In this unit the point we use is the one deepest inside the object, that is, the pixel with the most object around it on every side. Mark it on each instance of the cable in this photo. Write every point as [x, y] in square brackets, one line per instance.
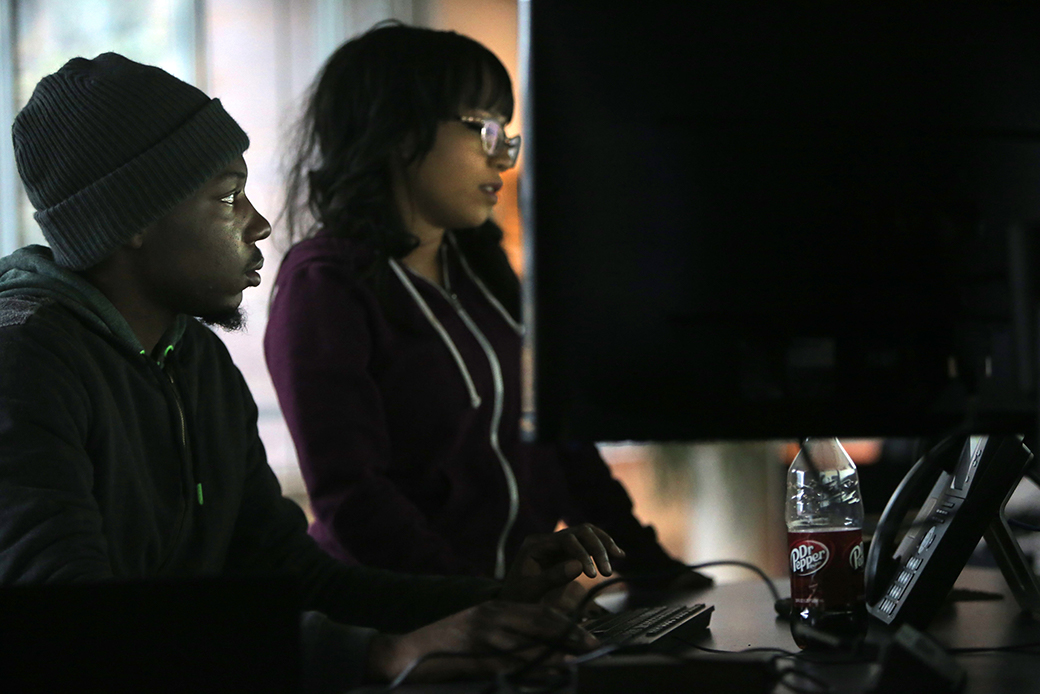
[1023, 648]
[599, 587]
[779, 654]
[1021, 525]
[577, 613]
[818, 686]
[551, 649]
[822, 687]
[410, 667]
[597, 653]
[403, 675]
[491, 653]
[734, 562]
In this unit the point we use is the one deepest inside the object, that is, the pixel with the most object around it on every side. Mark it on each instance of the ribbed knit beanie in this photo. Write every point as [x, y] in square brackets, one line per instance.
[107, 146]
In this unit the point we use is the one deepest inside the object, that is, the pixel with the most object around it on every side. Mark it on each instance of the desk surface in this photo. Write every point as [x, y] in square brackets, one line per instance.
[744, 618]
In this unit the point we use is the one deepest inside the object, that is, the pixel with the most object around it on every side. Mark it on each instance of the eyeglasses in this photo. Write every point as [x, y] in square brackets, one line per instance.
[493, 136]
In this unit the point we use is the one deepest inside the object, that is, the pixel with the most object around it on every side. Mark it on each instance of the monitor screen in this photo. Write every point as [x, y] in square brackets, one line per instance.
[748, 221]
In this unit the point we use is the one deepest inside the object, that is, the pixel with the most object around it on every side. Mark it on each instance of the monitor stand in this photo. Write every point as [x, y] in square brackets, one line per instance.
[1013, 563]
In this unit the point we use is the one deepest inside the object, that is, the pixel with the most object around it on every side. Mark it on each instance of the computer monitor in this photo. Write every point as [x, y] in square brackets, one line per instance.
[772, 220]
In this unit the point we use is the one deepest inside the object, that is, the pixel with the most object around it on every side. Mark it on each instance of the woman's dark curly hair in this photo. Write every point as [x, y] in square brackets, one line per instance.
[387, 89]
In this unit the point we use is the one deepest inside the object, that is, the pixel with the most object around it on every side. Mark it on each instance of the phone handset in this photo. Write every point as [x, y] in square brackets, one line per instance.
[972, 478]
[882, 562]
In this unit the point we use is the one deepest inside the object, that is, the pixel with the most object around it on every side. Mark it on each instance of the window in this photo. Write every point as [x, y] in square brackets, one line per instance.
[39, 36]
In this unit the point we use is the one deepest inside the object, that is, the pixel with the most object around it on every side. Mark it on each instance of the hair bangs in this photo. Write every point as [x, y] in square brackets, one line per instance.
[478, 80]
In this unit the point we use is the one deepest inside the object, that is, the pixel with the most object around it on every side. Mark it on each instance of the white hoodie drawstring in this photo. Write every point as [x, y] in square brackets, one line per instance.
[474, 397]
[496, 372]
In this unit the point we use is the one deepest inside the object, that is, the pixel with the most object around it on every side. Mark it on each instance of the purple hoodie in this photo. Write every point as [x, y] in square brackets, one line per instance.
[407, 429]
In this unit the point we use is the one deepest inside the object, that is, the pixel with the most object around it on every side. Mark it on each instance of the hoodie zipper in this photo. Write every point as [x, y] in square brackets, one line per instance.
[184, 436]
[191, 468]
[474, 397]
[180, 412]
[187, 464]
[499, 388]
[182, 430]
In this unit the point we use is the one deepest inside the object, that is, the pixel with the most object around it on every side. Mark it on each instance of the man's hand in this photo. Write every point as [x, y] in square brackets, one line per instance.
[546, 564]
[485, 639]
[503, 634]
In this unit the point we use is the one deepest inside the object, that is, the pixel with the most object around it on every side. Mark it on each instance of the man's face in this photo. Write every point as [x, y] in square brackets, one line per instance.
[200, 257]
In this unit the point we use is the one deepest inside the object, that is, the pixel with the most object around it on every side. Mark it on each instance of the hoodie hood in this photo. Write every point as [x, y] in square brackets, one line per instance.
[32, 272]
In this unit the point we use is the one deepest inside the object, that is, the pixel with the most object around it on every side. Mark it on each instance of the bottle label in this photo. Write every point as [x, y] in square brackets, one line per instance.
[826, 568]
[808, 557]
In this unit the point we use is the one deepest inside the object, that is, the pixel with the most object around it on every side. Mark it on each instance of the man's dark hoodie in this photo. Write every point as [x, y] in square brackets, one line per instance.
[115, 463]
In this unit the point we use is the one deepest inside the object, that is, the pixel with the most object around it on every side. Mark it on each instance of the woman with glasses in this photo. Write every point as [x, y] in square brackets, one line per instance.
[394, 332]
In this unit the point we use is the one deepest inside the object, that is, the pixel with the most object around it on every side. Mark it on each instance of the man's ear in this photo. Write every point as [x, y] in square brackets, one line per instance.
[137, 240]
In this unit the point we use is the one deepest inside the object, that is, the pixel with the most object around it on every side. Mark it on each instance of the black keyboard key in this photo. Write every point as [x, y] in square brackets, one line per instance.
[644, 625]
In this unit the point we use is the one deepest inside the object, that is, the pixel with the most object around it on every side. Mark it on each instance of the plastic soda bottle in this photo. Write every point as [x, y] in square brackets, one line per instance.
[824, 514]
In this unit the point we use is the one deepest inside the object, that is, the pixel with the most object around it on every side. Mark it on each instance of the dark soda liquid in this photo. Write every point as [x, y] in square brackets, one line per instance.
[827, 590]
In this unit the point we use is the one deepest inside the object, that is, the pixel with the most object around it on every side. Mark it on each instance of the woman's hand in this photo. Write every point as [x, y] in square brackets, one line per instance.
[546, 564]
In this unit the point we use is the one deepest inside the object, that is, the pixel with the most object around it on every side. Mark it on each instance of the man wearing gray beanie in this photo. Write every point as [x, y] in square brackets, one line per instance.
[128, 439]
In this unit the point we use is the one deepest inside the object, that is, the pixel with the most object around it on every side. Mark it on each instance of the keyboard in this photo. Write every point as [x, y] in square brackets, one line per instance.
[644, 625]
